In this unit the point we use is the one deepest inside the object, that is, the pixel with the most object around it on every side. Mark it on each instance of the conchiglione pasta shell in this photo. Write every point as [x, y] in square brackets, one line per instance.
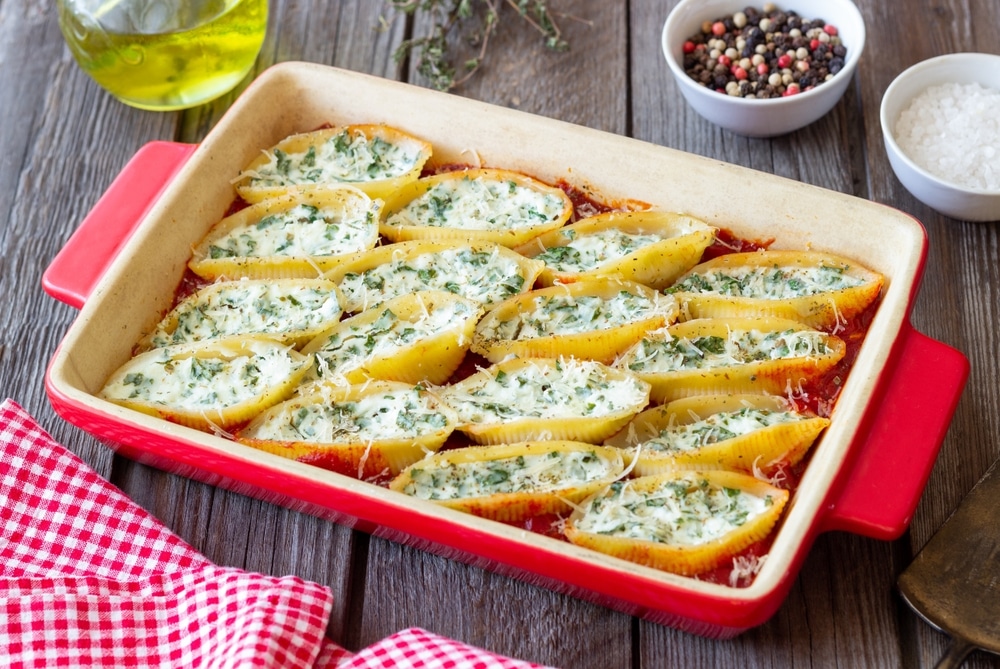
[490, 414]
[517, 325]
[347, 451]
[399, 225]
[431, 357]
[292, 311]
[207, 385]
[826, 310]
[680, 557]
[492, 474]
[681, 242]
[415, 153]
[766, 376]
[212, 259]
[519, 275]
[764, 449]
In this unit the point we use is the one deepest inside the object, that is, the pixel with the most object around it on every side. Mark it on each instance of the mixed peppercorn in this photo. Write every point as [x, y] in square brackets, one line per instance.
[764, 53]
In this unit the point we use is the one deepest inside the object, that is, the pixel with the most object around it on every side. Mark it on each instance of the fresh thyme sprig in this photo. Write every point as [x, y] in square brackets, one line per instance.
[434, 63]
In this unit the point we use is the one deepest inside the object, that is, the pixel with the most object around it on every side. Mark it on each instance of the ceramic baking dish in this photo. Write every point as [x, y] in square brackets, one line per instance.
[123, 264]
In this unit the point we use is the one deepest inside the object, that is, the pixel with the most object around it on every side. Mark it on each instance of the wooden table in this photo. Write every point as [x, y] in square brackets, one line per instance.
[62, 140]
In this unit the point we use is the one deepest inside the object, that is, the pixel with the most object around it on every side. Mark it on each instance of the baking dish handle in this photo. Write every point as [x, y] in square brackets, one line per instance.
[911, 417]
[76, 269]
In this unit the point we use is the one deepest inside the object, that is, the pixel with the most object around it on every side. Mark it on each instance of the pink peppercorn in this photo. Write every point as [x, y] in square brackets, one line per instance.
[814, 44]
[718, 28]
[739, 73]
[689, 47]
[793, 89]
[762, 69]
[725, 60]
[830, 30]
[784, 60]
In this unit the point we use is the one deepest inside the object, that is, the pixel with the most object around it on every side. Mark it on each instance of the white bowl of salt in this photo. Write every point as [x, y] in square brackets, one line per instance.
[941, 125]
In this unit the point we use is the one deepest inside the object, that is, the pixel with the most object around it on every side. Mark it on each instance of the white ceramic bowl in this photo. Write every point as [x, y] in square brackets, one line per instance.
[762, 117]
[950, 199]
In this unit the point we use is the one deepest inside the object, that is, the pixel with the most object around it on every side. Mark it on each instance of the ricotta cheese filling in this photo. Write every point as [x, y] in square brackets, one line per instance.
[543, 472]
[258, 307]
[564, 314]
[590, 251]
[486, 277]
[572, 388]
[684, 511]
[344, 157]
[716, 428]
[376, 417]
[301, 231]
[770, 283]
[194, 383]
[350, 349]
[672, 353]
[480, 204]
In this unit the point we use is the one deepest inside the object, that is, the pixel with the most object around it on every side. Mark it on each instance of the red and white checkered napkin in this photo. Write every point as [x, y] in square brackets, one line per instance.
[89, 579]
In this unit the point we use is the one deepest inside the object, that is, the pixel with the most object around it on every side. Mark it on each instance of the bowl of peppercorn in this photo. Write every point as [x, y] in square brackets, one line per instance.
[767, 70]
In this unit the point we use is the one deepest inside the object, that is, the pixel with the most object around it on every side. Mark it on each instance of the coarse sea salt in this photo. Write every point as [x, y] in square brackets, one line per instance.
[953, 132]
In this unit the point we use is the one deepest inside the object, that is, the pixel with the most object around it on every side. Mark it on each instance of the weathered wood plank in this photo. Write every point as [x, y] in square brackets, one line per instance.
[65, 140]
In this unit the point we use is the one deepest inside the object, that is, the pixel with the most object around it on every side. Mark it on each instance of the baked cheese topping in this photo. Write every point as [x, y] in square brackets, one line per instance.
[685, 511]
[350, 349]
[590, 251]
[717, 427]
[302, 231]
[570, 389]
[397, 414]
[480, 204]
[564, 314]
[249, 307]
[770, 283]
[343, 158]
[203, 382]
[487, 277]
[543, 472]
[672, 353]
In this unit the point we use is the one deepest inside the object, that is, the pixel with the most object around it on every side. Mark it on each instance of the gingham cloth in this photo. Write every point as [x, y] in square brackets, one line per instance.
[89, 579]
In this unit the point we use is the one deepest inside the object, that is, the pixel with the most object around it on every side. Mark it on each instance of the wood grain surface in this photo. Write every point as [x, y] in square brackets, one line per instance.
[62, 141]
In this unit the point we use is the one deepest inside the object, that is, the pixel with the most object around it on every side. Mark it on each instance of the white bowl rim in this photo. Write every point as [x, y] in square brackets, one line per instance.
[890, 137]
[850, 63]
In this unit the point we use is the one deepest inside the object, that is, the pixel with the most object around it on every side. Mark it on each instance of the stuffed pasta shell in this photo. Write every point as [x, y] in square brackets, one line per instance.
[485, 272]
[731, 355]
[365, 430]
[748, 433]
[411, 338]
[820, 289]
[682, 522]
[511, 482]
[296, 235]
[649, 247]
[596, 319]
[482, 205]
[207, 385]
[527, 399]
[289, 310]
[376, 159]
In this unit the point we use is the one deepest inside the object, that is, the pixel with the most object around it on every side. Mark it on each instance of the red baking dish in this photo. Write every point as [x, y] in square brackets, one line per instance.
[122, 266]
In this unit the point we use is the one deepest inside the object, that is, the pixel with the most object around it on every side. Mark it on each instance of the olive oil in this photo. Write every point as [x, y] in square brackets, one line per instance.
[164, 54]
